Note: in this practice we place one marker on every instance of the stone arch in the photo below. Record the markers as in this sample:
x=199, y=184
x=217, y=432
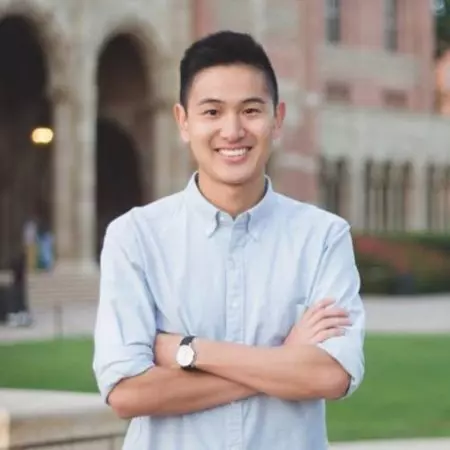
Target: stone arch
x=151, y=47
x=125, y=103
x=50, y=35
x=26, y=163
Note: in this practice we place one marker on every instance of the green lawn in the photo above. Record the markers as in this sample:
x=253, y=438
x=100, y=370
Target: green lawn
x=58, y=365
x=405, y=392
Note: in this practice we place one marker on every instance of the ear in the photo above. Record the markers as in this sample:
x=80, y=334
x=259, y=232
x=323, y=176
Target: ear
x=180, y=115
x=280, y=113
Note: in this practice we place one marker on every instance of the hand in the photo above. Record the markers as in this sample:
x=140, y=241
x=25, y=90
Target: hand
x=165, y=350
x=319, y=323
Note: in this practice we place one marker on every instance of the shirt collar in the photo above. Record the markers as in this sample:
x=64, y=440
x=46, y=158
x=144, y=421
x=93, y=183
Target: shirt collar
x=254, y=219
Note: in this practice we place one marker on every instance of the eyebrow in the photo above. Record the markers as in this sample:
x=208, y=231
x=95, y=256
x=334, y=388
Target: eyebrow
x=259, y=100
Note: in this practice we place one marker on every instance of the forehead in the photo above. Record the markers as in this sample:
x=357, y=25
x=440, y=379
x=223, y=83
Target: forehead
x=231, y=83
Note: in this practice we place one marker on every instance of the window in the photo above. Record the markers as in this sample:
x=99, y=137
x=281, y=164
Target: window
x=333, y=20
x=395, y=99
x=391, y=24
x=337, y=92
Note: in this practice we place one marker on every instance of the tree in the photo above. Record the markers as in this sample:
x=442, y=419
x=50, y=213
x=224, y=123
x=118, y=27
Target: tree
x=442, y=11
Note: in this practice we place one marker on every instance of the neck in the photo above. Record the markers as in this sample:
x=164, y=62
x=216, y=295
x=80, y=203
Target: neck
x=232, y=199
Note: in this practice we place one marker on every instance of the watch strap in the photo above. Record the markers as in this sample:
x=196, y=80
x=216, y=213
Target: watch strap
x=187, y=340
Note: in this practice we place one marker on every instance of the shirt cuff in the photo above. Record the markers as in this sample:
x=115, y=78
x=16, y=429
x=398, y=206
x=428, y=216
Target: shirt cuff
x=349, y=356
x=126, y=364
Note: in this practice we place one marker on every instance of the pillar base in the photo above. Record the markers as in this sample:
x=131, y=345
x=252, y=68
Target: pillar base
x=71, y=266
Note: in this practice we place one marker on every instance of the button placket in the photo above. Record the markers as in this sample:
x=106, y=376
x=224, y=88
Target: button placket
x=235, y=323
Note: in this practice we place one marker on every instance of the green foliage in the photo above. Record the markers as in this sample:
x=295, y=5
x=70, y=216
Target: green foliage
x=443, y=29
x=403, y=263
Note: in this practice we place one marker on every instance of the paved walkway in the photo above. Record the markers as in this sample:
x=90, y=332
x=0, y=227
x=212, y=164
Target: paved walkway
x=384, y=315
x=426, y=314
x=411, y=444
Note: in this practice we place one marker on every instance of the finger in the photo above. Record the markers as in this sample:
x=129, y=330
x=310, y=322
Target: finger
x=331, y=322
x=327, y=334
x=318, y=306
x=325, y=314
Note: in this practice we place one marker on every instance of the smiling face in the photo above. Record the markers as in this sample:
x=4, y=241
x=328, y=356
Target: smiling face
x=230, y=123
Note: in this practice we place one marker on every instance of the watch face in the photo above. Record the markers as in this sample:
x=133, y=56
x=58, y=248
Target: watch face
x=185, y=356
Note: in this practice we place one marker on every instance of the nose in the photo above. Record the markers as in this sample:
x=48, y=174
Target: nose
x=232, y=129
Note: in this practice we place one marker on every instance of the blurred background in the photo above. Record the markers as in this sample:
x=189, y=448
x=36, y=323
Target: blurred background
x=86, y=133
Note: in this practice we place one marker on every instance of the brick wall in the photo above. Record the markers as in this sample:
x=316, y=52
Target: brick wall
x=363, y=28
x=370, y=76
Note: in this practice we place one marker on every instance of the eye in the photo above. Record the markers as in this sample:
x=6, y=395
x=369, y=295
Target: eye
x=211, y=112
x=252, y=111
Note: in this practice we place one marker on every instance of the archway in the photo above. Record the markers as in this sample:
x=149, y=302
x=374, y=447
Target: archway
x=124, y=130
x=118, y=179
x=25, y=157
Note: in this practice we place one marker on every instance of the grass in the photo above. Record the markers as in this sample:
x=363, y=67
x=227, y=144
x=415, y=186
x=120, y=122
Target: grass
x=63, y=365
x=404, y=394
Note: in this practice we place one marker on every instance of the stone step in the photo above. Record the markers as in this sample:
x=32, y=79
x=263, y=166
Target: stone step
x=55, y=288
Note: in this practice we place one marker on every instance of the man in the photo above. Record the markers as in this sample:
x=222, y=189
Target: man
x=228, y=313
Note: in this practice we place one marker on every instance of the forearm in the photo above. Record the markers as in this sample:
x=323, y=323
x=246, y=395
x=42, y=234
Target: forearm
x=293, y=373
x=167, y=392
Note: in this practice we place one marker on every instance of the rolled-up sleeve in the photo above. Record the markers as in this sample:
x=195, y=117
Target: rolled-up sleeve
x=125, y=323
x=338, y=278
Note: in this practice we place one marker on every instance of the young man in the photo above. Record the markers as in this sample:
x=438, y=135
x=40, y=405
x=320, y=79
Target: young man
x=228, y=313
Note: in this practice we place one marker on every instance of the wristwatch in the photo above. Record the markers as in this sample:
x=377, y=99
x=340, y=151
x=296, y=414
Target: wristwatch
x=186, y=353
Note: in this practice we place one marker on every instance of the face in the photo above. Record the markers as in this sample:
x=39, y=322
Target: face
x=230, y=123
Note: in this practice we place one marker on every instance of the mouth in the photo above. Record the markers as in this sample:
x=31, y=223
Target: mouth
x=233, y=153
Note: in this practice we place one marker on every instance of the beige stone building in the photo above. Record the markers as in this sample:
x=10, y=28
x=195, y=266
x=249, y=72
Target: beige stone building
x=361, y=135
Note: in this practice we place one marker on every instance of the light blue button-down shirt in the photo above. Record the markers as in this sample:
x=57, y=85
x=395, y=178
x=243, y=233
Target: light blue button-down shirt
x=182, y=266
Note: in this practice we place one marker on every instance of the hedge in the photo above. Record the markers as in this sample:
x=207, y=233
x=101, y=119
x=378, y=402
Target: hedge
x=399, y=264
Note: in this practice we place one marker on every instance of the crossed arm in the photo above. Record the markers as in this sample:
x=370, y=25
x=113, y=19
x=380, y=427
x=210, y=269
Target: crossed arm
x=314, y=361
x=228, y=372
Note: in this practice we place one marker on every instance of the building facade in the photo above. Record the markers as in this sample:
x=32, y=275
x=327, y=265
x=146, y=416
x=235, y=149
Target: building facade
x=361, y=136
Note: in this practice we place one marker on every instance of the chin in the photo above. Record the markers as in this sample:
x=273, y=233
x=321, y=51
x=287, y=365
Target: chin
x=237, y=179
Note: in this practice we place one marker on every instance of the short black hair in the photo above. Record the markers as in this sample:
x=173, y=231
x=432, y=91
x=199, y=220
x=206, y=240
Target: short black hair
x=225, y=48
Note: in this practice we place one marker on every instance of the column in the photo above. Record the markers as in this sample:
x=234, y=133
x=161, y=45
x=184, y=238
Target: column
x=62, y=175
x=85, y=119
x=393, y=181
x=447, y=199
x=418, y=206
x=170, y=156
x=377, y=195
x=166, y=141
x=441, y=191
x=357, y=193
x=405, y=198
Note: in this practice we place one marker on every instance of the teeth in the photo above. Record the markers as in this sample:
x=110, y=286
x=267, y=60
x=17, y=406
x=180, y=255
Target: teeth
x=233, y=152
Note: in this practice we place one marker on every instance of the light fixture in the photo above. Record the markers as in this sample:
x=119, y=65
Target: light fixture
x=42, y=136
